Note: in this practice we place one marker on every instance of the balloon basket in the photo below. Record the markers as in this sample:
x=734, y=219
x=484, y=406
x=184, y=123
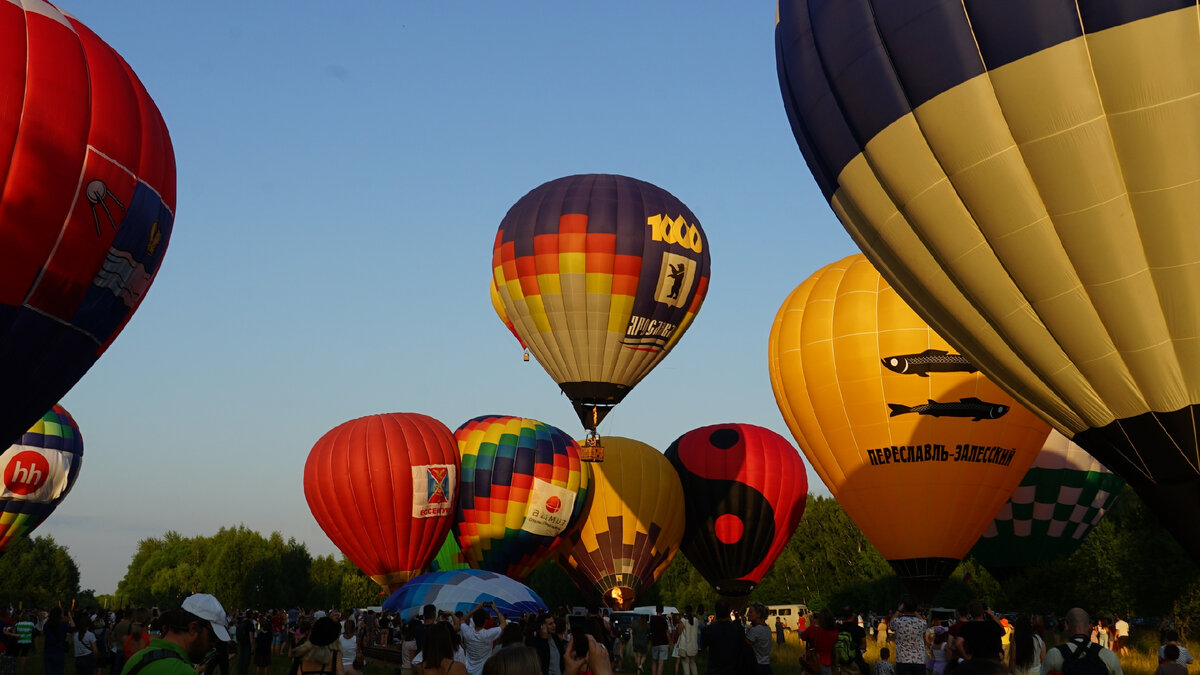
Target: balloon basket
x=591, y=450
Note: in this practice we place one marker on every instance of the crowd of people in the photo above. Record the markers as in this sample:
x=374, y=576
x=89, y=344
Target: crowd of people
x=199, y=636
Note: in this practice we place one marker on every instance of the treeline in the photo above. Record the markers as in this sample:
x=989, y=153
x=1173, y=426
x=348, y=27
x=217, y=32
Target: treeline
x=243, y=569
x=1129, y=565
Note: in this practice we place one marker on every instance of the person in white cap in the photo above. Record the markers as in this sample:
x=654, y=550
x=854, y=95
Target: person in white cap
x=188, y=635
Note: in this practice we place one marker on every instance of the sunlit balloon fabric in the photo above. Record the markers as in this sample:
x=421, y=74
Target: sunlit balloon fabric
x=449, y=556
x=38, y=472
x=87, y=206
x=524, y=493
x=746, y=489
x=461, y=591
x=498, y=305
x=384, y=489
x=634, y=525
x=1027, y=175
x=1063, y=496
x=600, y=276
x=919, y=448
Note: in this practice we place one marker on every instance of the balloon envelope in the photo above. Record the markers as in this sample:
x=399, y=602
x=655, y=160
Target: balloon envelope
x=462, y=590
x=524, y=493
x=919, y=448
x=1026, y=175
x=633, y=527
x=1061, y=498
x=38, y=470
x=600, y=276
x=384, y=488
x=87, y=207
x=745, y=488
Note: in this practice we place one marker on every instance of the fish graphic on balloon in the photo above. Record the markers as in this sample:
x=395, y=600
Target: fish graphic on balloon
x=928, y=361
x=972, y=407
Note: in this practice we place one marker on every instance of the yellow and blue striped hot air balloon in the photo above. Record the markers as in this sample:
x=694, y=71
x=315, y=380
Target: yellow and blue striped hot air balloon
x=634, y=526
x=38, y=472
x=1026, y=175
x=523, y=493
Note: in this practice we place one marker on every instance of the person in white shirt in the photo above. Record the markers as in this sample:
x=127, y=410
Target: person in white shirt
x=477, y=640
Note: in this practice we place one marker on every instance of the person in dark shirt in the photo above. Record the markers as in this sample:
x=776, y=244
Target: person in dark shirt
x=723, y=640
x=858, y=635
x=980, y=638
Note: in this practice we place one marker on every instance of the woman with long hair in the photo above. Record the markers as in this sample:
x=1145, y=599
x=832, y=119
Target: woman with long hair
x=1028, y=648
x=688, y=642
x=437, y=654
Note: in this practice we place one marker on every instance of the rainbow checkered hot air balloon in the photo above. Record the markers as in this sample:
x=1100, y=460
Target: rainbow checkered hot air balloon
x=38, y=471
x=524, y=493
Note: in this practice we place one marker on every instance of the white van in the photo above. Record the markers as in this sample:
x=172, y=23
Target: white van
x=789, y=614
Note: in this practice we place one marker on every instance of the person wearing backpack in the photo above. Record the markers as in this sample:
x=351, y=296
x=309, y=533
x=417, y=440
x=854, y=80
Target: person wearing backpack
x=1079, y=655
x=852, y=642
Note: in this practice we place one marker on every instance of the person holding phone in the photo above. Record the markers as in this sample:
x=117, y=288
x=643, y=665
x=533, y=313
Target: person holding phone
x=477, y=640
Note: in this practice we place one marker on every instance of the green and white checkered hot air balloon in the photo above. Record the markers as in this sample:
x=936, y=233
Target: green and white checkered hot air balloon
x=1061, y=498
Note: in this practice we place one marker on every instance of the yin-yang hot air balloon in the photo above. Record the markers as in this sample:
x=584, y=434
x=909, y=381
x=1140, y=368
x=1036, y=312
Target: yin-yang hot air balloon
x=903, y=431
x=745, y=490
x=634, y=525
x=523, y=494
x=87, y=207
x=384, y=489
x=38, y=471
x=600, y=276
x=1061, y=498
x=1026, y=175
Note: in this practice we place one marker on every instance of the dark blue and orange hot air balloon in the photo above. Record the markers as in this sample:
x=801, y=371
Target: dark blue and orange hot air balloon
x=745, y=488
x=524, y=493
x=38, y=472
x=600, y=276
x=1025, y=174
x=384, y=489
x=87, y=206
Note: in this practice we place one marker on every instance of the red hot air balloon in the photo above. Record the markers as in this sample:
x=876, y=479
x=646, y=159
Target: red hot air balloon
x=384, y=490
x=746, y=489
x=87, y=206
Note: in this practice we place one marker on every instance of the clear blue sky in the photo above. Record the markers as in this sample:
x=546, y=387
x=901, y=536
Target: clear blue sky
x=342, y=172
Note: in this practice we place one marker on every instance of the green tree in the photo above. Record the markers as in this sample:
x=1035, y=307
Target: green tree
x=38, y=572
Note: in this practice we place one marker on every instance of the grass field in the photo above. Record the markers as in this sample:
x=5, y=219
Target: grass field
x=1141, y=659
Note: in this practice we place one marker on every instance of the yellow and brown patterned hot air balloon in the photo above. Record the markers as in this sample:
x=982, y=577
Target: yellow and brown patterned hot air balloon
x=634, y=526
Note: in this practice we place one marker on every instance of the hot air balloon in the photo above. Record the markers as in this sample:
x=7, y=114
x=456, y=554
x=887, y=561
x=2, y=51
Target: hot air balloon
x=746, y=489
x=38, y=470
x=600, y=276
x=1025, y=175
x=524, y=493
x=633, y=527
x=498, y=305
x=461, y=591
x=902, y=429
x=87, y=207
x=1061, y=498
x=384, y=488
x=449, y=556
